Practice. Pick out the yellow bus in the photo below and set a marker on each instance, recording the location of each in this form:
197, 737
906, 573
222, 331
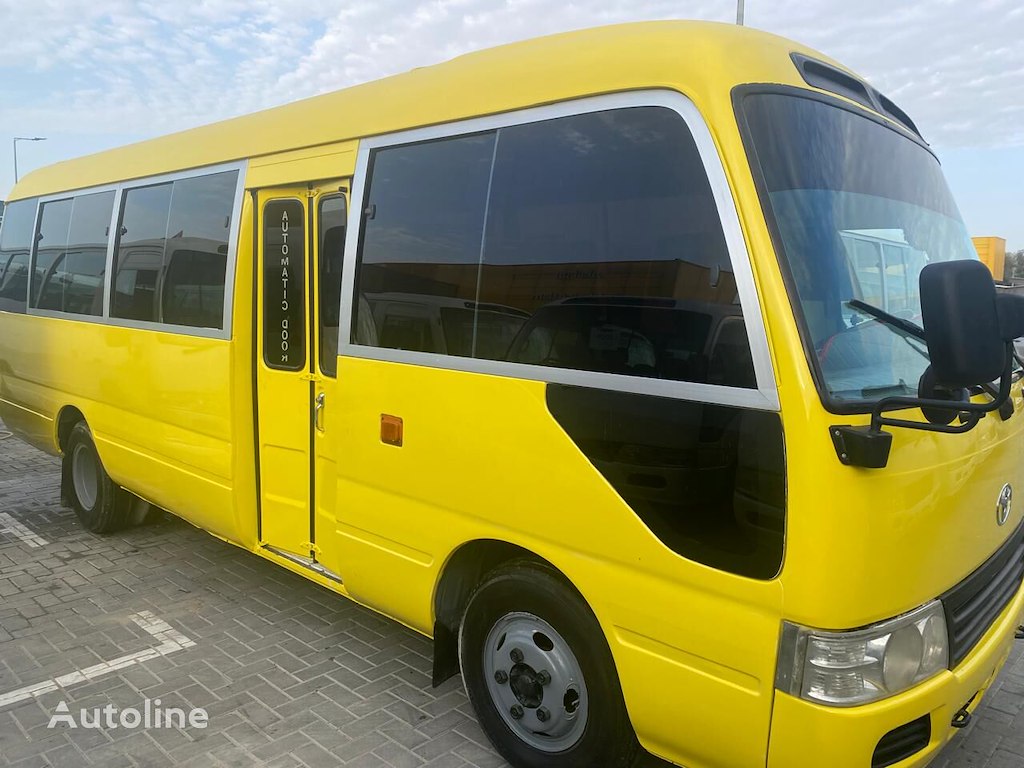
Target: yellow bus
646, 369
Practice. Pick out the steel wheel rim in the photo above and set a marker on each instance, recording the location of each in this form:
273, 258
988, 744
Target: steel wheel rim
535, 682
86, 476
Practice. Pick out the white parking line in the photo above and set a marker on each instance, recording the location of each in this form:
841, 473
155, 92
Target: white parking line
170, 641
9, 525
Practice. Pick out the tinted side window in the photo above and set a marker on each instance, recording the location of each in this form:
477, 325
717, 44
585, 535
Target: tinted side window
50, 255
284, 284
708, 480
195, 258
193, 292
603, 229
87, 254
601, 250
15, 247
422, 239
139, 256
332, 252
74, 280
170, 263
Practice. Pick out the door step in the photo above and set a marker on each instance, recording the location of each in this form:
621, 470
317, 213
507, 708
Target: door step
305, 562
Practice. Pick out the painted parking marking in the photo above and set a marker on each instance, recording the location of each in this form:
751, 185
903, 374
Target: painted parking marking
170, 640
9, 525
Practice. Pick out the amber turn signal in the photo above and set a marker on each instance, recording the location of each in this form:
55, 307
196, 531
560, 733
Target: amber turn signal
391, 429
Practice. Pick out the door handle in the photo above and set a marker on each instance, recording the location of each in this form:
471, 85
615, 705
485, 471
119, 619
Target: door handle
318, 412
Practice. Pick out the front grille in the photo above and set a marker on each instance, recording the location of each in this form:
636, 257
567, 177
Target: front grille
973, 604
900, 743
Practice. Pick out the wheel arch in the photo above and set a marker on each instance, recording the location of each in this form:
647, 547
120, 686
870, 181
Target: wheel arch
464, 570
67, 417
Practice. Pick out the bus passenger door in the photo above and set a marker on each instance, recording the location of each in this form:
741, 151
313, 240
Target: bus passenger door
330, 215
298, 289
283, 373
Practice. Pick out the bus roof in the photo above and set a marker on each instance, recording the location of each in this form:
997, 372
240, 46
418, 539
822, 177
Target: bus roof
704, 60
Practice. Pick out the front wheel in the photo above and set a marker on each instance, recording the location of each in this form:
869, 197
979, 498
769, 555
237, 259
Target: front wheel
93, 496
540, 675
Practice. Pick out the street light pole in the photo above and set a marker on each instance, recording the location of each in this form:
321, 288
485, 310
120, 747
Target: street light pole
739, 12
15, 145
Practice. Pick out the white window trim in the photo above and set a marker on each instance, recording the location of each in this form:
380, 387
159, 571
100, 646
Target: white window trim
764, 397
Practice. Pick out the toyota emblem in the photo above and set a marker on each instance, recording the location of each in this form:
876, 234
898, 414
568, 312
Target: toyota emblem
1003, 505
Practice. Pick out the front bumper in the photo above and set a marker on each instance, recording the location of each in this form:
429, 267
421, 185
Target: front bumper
808, 734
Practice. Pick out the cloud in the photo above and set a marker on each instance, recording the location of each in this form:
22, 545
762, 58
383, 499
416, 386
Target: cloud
105, 67
396, 35
956, 66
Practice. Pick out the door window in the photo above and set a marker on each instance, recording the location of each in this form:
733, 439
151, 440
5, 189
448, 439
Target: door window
284, 295
333, 214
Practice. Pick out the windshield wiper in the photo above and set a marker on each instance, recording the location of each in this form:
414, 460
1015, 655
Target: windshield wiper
909, 328
916, 331
874, 393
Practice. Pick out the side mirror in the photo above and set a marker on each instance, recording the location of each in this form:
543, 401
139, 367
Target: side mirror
1010, 308
969, 330
962, 323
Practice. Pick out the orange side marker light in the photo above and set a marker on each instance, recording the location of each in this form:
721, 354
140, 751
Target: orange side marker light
391, 430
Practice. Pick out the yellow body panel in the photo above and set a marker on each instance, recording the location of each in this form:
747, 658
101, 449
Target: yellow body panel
903, 535
301, 166
159, 406
483, 459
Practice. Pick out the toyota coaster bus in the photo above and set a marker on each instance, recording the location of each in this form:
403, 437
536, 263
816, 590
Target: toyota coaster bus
648, 369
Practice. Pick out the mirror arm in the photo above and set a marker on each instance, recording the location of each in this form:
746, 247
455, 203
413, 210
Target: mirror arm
868, 446
977, 409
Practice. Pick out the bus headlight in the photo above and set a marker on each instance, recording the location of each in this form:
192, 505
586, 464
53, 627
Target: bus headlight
843, 669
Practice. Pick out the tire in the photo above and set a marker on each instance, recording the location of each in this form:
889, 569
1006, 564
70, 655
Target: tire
138, 512
94, 497
524, 621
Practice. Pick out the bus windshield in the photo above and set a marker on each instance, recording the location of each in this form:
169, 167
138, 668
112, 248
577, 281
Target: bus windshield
858, 209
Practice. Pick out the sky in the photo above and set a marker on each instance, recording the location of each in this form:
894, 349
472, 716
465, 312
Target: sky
93, 74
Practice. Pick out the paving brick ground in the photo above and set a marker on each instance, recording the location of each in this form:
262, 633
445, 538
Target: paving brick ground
290, 674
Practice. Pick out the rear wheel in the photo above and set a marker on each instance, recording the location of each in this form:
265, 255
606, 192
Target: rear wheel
94, 497
540, 675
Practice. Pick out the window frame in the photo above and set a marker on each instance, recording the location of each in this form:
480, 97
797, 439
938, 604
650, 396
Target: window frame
763, 397
120, 189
